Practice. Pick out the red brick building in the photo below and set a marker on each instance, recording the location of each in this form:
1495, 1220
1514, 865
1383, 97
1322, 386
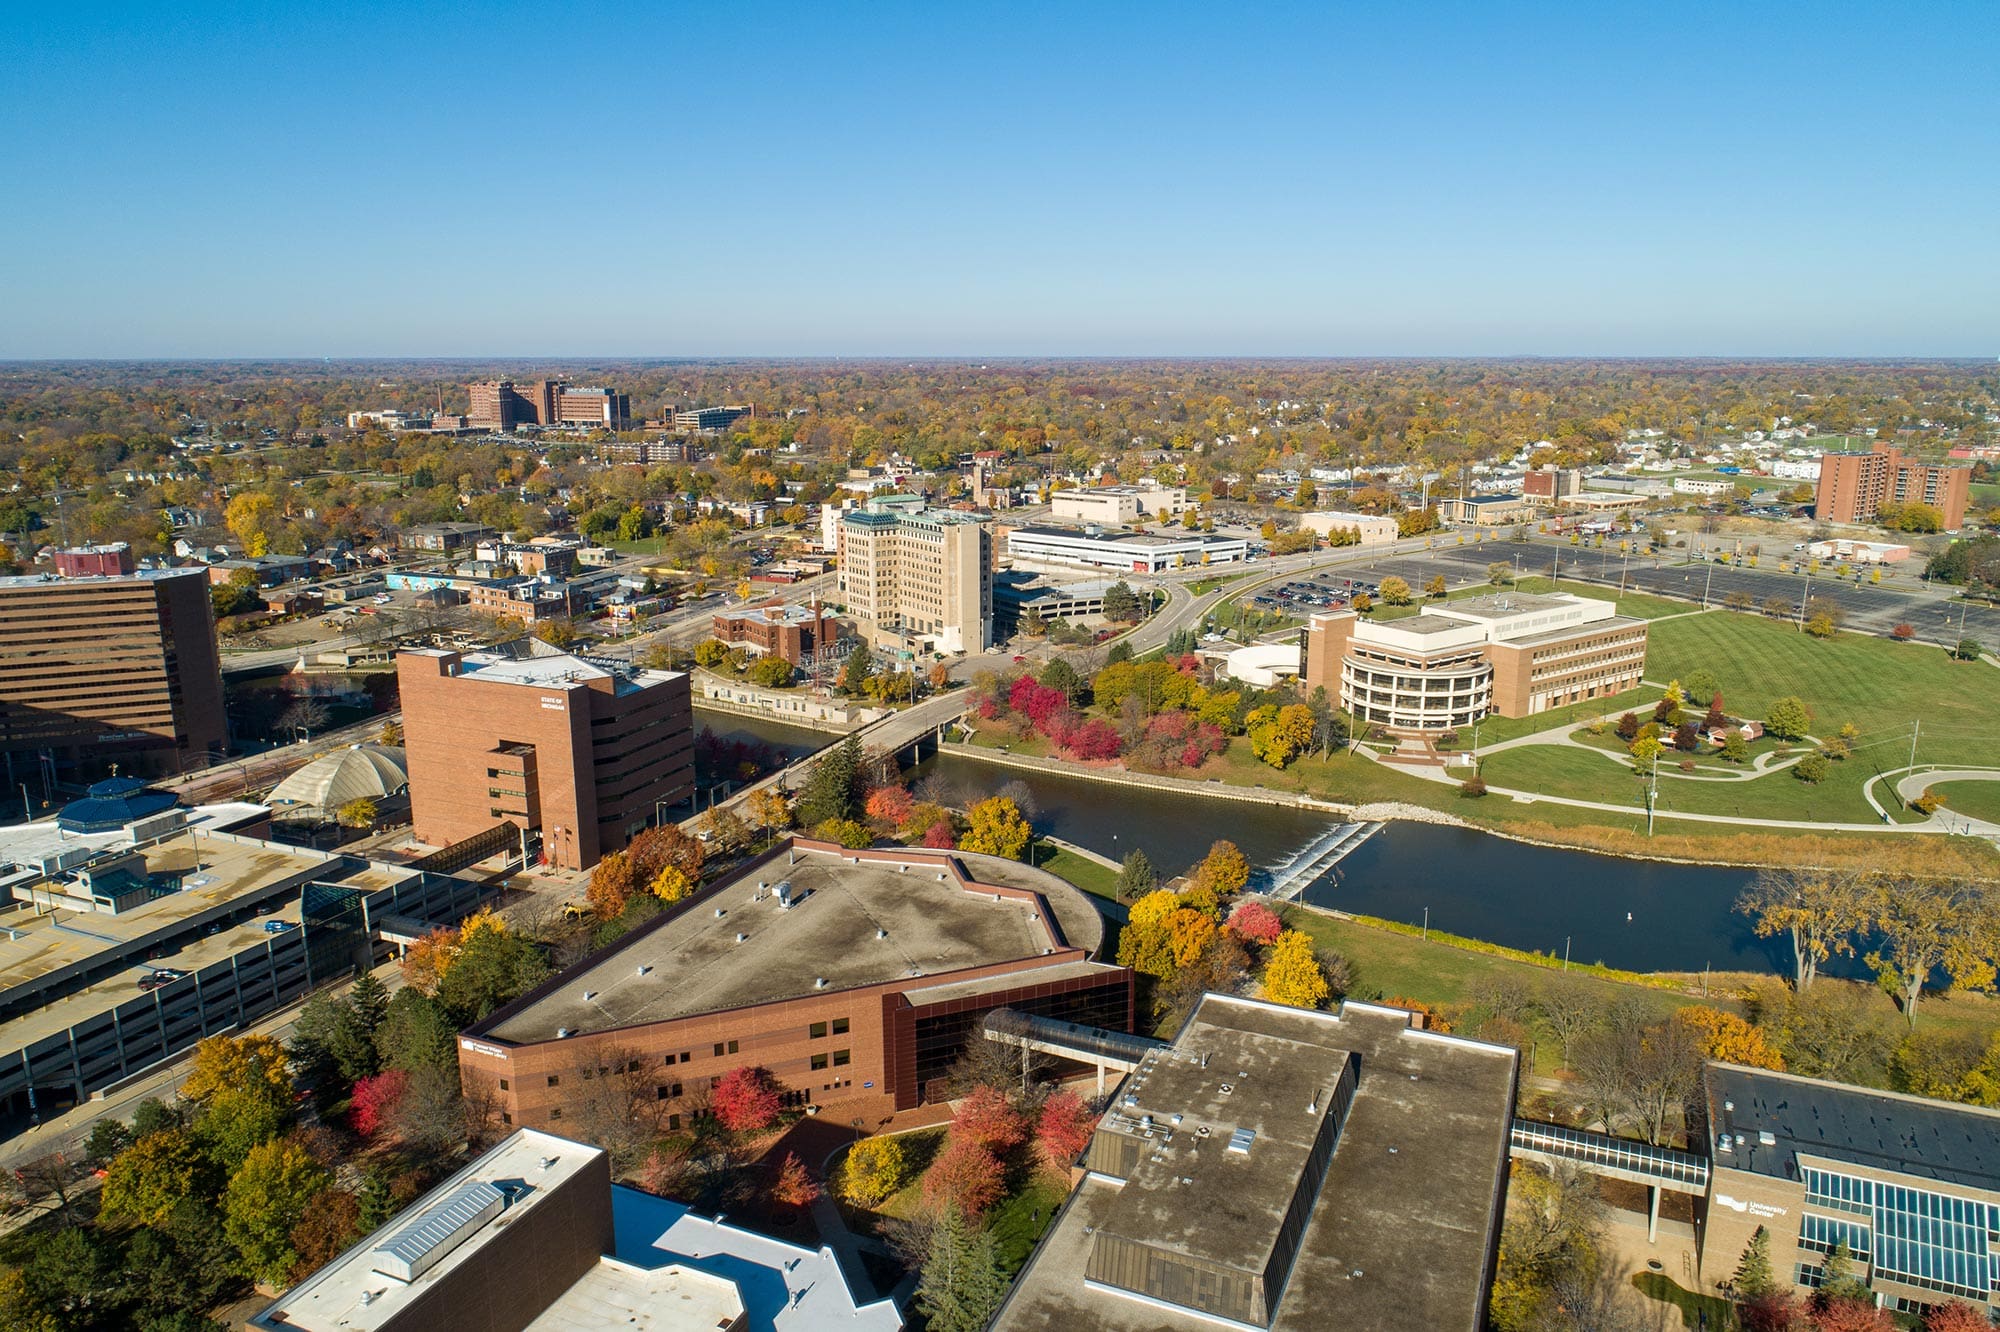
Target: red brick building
581, 752
1853, 487
773, 628
101, 561
856, 978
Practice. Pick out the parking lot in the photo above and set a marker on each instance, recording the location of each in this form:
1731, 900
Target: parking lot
1871, 608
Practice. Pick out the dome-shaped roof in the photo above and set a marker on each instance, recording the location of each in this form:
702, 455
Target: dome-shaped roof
331, 780
109, 805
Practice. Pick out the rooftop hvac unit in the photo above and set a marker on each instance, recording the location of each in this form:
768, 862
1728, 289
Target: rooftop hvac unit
426, 1241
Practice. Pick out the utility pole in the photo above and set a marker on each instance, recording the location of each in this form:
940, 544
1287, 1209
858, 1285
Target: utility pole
1709, 578
1916, 728
1652, 793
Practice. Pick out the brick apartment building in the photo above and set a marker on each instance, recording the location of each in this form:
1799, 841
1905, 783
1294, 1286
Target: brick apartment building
117, 668
502, 404
582, 752
856, 978
773, 628
102, 561
1853, 487
1511, 653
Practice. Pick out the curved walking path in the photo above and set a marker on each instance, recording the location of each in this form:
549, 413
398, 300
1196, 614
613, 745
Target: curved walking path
1761, 766
1913, 782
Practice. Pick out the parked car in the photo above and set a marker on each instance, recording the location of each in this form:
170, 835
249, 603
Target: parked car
279, 926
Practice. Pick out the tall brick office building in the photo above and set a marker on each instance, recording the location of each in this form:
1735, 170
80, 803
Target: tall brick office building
502, 404
110, 669
582, 752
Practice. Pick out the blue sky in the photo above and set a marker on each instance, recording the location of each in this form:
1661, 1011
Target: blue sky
353, 179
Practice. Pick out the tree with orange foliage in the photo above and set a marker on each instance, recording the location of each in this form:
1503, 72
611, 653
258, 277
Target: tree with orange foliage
796, 1186
612, 884
890, 805
656, 848
425, 961
1843, 1315
1434, 1019
965, 1176
1727, 1037
988, 1118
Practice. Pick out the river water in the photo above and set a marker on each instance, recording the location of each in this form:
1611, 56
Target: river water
1635, 914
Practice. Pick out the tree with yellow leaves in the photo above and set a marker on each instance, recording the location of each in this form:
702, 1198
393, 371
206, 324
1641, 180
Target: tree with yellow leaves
671, 885
1292, 975
229, 1063
994, 827
1729, 1038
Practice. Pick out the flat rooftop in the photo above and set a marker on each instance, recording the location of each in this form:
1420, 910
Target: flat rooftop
1424, 623
102, 580
1404, 1223
1500, 605
549, 669
332, 1300
693, 962
1569, 631
1876, 1130
214, 872
1115, 538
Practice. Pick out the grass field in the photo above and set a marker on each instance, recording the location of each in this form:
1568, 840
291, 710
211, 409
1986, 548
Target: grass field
1082, 871
1201, 587
1978, 800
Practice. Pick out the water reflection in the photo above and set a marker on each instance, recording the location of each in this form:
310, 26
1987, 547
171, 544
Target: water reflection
1474, 884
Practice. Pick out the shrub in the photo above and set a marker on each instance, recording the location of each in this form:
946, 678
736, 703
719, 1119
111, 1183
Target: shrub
1813, 768
1903, 632
1930, 802
849, 833
873, 1169
1472, 787
1967, 649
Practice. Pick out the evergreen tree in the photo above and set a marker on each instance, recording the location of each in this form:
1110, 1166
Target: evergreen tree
1059, 674
1121, 602
1838, 1279
962, 1283
831, 792
370, 1001
1120, 651
1136, 877
1753, 1274
860, 665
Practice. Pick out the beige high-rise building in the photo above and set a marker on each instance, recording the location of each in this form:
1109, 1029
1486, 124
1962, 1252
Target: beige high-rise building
918, 578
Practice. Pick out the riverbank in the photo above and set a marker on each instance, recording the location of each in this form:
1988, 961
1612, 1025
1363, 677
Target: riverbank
1512, 820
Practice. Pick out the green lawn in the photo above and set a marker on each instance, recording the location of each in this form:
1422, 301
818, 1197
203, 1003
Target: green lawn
1881, 686
1495, 729
648, 546
1201, 587
1019, 1220
1978, 800
1082, 871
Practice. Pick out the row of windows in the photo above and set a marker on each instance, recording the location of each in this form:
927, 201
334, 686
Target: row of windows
1819, 1234
819, 1029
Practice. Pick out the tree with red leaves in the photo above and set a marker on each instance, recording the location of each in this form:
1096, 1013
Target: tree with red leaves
1775, 1311
988, 1118
374, 1100
796, 1186
1064, 1130
1096, 739
940, 837
1840, 1315
965, 1176
746, 1100
1253, 922
1956, 1316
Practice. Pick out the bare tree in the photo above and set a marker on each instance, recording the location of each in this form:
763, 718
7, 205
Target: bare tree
1927, 924
616, 1104
1568, 1009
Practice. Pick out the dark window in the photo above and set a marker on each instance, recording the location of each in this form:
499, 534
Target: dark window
718, 1049
506, 1118
555, 1112
840, 1026
732, 1047
686, 1055
818, 1062
816, 1030
503, 1084
841, 1057
554, 1081
673, 1123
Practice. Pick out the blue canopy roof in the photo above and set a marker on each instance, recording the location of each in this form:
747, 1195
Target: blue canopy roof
109, 805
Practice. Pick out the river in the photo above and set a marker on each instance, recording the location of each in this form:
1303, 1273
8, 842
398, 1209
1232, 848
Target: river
1635, 914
